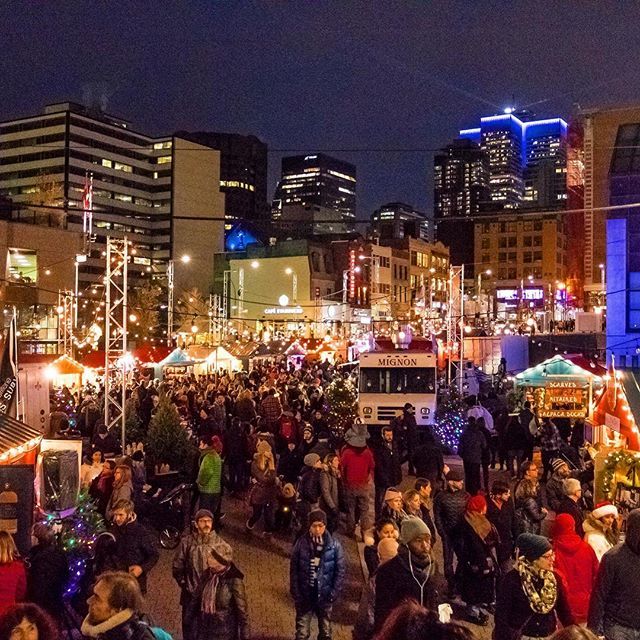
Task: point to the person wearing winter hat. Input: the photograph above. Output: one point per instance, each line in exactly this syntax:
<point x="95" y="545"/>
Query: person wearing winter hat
<point x="614" y="610"/>
<point x="553" y="488"/>
<point x="576" y="562"/>
<point x="316" y="573"/>
<point x="449" y="506"/>
<point x="387" y="549"/>
<point x="477" y="540"/>
<point x="531" y="597"/>
<point x="393" y="508"/>
<point x="191" y="562"/>
<point x="409" y="575"/>
<point x="601" y="529"/>
<point x="571" y="503"/>
<point x="309" y="488"/>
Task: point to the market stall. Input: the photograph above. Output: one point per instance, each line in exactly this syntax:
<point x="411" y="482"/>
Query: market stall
<point x="559" y="388"/>
<point x="177" y="363"/>
<point x="66" y="372"/>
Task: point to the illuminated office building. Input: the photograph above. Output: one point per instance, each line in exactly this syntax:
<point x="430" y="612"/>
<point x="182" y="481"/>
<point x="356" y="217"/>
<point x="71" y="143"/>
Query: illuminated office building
<point x="316" y="180"/>
<point x="397" y="220"/>
<point x="526" y="159"/>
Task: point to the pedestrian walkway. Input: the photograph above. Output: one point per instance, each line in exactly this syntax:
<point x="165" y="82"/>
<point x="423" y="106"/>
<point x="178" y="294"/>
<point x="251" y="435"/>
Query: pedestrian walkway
<point x="265" y="564"/>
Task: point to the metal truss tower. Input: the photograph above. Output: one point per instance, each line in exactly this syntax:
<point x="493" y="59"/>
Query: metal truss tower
<point x="455" y="320"/>
<point x="115" y="366"/>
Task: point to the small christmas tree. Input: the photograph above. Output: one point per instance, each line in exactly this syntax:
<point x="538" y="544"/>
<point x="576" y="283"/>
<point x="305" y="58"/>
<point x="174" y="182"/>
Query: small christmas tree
<point x="450" y="419"/>
<point x="167" y="441"/>
<point x="342" y="401"/>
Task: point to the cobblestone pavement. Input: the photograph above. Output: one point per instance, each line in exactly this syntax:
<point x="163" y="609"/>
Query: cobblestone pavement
<point x="265" y="564"/>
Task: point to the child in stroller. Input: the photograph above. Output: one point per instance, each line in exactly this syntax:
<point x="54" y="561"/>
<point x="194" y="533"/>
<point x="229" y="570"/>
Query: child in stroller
<point x="286" y="517"/>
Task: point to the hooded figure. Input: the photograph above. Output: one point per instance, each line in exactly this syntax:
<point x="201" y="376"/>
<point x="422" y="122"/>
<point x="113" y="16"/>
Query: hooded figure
<point x="576" y="563"/>
<point x="613" y="611"/>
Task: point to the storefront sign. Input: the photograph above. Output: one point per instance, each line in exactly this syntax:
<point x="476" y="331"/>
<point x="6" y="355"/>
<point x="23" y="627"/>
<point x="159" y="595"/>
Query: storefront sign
<point x="282" y="311"/>
<point x="564" y="414"/>
<point x="612" y="422"/>
<point x="515" y="294"/>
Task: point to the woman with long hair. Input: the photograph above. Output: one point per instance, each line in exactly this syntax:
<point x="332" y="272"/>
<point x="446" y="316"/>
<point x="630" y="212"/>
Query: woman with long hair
<point x="13" y="577"/>
<point x="28" y="621"/>
<point x="122" y="488"/>
<point x="264" y="491"/>
<point x="330" y="481"/>
<point x="529" y="514"/>
<point x="601" y="529"/>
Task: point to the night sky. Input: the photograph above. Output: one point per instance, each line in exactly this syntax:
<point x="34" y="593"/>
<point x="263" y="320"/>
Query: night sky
<point x="378" y="77"/>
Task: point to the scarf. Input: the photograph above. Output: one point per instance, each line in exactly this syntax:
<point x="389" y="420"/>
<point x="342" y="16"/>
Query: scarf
<point x="612" y="534"/>
<point x="210" y="591"/>
<point x="479" y="523"/>
<point x="94" y="630"/>
<point x="540" y="600"/>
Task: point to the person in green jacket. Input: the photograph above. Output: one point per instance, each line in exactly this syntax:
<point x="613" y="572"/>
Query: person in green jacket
<point x="210" y="478"/>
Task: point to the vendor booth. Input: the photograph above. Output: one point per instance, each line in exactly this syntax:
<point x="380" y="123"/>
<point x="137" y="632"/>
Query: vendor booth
<point x="559" y="388"/>
<point x="66" y="372"/>
<point x="177" y="363"/>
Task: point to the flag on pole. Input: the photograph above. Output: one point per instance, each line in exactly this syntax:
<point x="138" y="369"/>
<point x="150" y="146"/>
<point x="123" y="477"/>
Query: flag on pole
<point x="87" y="204"/>
<point x="9" y="372"/>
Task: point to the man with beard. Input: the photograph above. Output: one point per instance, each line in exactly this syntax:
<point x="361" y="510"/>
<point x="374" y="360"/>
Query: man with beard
<point x="553" y="488"/>
<point x="114" y="609"/>
<point x="191" y="562"/>
<point x="134" y="549"/>
<point x="409" y="575"/>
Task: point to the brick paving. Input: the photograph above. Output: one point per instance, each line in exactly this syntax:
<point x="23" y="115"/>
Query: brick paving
<point x="265" y="564"/>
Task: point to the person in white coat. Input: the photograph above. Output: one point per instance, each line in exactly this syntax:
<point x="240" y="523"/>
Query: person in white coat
<point x="601" y="530"/>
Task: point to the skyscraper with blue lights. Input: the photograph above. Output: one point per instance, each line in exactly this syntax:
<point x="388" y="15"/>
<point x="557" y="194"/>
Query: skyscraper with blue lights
<point x="527" y="159"/>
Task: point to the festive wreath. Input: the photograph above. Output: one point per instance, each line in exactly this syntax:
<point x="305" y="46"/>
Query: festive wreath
<point x="612" y="464"/>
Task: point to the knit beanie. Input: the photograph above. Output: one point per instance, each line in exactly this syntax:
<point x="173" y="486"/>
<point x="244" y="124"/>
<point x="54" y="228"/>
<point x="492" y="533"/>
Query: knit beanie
<point x="557" y="463"/>
<point x="570" y="486"/>
<point x="203" y="513"/>
<point x="412" y="528"/>
<point x="391" y="493"/>
<point x="477" y="504"/>
<point x="532" y="546"/>
<point x="311" y="459"/>
<point x="455" y="475"/>
<point x="387" y="549"/>
<point x="317" y="515"/>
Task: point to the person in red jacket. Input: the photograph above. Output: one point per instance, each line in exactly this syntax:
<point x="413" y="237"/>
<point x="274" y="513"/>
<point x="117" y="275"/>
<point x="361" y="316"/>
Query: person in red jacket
<point x="577" y="564"/>
<point x="13" y="577"/>
<point x="357" y="464"/>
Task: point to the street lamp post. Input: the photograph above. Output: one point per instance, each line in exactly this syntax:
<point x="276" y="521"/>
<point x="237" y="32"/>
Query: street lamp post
<point x="171" y="270"/>
<point x="294" y="283"/>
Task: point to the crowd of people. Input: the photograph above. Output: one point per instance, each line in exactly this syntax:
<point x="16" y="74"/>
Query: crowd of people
<point x="266" y="438"/>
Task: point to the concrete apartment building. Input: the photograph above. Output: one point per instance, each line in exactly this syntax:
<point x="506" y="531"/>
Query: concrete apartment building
<point x="162" y="193"/>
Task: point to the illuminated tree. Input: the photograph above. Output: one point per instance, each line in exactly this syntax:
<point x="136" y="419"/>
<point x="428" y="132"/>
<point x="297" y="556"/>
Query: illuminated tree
<point x="450" y="419"/>
<point x="342" y="401"/>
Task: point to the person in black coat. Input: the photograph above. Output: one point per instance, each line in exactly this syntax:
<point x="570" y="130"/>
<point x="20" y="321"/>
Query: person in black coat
<point x="501" y="514"/>
<point x="410" y="434"/>
<point x="473" y="449"/>
<point x="387" y="471"/>
<point x="532" y="595"/>
<point x="48" y="572"/>
<point x="428" y="462"/>
<point x="290" y="464"/>
<point x="410" y="575"/>
<point x="236" y="454"/>
<point x="516" y="442"/>
<point x="571" y="503"/>
<point x="135" y="550"/>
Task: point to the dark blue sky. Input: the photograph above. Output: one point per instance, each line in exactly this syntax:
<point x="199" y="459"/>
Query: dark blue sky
<point x="323" y="75"/>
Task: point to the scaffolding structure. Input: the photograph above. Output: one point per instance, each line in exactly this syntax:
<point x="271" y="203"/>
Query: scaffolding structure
<point x="66" y="310"/>
<point x="170" y="289"/>
<point x="455" y="321"/>
<point x="115" y="365"/>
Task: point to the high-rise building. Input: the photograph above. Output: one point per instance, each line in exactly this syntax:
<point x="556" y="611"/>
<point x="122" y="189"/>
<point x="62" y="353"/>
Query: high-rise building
<point x="396" y="220"/>
<point x="461" y="179"/>
<point x="602" y="128"/>
<point x="316" y="180"/>
<point x="526" y="159"/>
<point x="243" y="173"/>
<point x="163" y="194"/>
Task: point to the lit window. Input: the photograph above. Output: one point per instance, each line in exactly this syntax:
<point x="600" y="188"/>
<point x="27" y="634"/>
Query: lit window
<point x="22" y="265"/>
<point x="119" y="166"/>
<point x="107" y="163"/>
<point x="164" y="159"/>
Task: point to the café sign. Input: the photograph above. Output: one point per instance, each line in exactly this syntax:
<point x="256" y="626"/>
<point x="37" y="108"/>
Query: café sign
<point x="282" y="311"/>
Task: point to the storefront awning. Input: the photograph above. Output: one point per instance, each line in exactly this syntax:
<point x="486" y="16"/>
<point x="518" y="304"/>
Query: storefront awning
<point x="16" y="437"/>
<point x="177" y="358"/>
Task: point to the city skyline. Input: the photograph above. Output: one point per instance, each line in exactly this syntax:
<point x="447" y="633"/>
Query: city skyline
<point x="323" y="79"/>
